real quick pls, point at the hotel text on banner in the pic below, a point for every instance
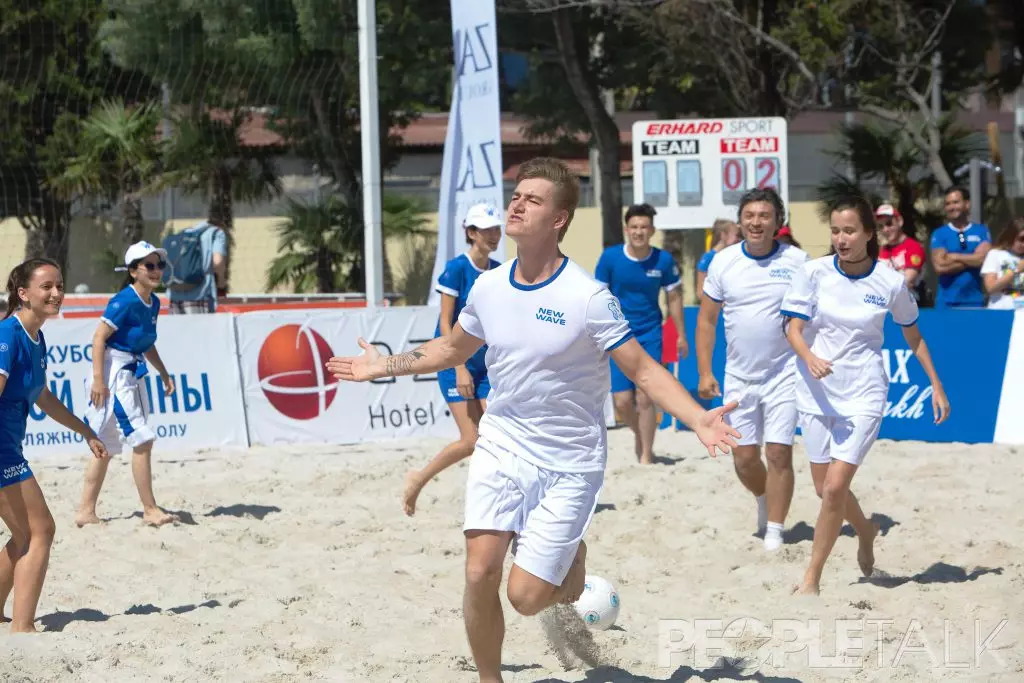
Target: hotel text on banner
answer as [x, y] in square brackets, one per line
[290, 397]
[471, 169]
[199, 351]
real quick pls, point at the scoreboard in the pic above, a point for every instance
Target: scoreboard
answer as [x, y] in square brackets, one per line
[694, 171]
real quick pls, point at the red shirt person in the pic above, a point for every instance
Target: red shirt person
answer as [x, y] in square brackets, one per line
[903, 253]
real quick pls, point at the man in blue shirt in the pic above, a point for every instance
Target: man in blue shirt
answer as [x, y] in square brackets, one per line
[203, 299]
[958, 250]
[635, 273]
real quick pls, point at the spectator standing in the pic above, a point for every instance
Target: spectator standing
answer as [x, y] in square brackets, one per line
[958, 250]
[635, 273]
[1003, 269]
[902, 252]
[202, 298]
[724, 233]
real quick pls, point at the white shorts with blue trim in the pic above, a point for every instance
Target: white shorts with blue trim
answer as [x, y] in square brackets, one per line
[549, 512]
[124, 419]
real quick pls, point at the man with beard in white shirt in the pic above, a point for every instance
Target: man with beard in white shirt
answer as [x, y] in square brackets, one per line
[747, 282]
[539, 462]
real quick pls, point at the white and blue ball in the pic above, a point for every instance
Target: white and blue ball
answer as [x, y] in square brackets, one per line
[598, 606]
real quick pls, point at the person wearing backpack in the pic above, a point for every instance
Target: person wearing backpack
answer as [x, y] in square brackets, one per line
[197, 262]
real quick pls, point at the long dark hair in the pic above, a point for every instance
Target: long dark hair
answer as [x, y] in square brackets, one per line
[20, 278]
[867, 219]
[1009, 234]
[129, 280]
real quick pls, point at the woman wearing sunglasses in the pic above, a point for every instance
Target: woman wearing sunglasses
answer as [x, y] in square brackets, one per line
[123, 343]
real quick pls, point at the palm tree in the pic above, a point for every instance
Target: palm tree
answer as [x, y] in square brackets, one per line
[321, 245]
[116, 156]
[208, 157]
[885, 156]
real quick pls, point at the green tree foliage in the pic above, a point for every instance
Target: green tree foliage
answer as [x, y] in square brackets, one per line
[116, 153]
[51, 71]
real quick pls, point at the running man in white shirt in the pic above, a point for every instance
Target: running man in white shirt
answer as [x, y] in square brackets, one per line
[837, 307]
[747, 282]
[539, 462]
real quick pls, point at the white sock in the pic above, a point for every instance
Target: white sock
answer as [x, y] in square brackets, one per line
[773, 536]
[762, 512]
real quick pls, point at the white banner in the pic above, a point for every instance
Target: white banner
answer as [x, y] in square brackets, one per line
[472, 168]
[290, 398]
[199, 351]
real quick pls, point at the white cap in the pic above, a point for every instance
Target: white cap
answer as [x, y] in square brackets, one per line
[482, 216]
[141, 250]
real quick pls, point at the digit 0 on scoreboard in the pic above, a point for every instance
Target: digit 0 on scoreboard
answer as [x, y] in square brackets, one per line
[766, 172]
[734, 180]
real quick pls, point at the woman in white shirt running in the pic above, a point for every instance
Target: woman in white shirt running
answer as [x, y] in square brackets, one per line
[836, 306]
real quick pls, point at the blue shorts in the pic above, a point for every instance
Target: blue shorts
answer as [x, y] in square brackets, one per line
[13, 469]
[446, 380]
[651, 343]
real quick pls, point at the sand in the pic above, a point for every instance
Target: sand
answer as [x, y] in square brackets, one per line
[298, 564]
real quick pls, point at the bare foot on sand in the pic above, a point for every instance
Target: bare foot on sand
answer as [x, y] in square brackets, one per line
[806, 588]
[413, 486]
[156, 517]
[866, 551]
[83, 518]
[25, 629]
[576, 579]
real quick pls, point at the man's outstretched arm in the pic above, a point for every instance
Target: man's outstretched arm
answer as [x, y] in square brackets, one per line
[440, 353]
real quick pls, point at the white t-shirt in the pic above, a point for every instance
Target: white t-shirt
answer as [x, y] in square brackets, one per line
[750, 290]
[547, 363]
[846, 318]
[999, 262]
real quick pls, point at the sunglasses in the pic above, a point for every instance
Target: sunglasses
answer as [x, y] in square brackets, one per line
[150, 266]
[963, 240]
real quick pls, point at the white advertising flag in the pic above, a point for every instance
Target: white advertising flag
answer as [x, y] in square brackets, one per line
[472, 168]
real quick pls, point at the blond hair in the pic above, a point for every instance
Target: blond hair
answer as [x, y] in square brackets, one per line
[558, 173]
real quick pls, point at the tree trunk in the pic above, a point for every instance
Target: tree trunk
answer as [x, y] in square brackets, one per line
[939, 169]
[222, 210]
[324, 274]
[49, 232]
[132, 223]
[602, 126]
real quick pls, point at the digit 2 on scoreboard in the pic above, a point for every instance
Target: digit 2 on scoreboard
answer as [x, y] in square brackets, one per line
[766, 172]
[734, 180]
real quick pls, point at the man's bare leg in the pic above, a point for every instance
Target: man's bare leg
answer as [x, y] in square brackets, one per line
[647, 426]
[627, 412]
[779, 489]
[481, 604]
[467, 416]
[754, 476]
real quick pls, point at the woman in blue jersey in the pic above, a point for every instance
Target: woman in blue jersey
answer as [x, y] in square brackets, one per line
[35, 292]
[465, 387]
[122, 345]
[837, 306]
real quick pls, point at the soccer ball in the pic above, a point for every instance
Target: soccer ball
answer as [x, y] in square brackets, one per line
[599, 604]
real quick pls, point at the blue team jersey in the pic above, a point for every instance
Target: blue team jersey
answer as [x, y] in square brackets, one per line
[23, 362]
[705, 261]
[637, 284]
[963, 288]
[133, 321]
[458, 278]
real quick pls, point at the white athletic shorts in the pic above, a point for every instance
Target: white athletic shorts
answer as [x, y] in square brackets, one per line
[124, 419]
[767, 409]
[841, 438]
[548, 511]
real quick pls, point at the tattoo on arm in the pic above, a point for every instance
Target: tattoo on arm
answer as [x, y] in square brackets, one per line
[400, 364]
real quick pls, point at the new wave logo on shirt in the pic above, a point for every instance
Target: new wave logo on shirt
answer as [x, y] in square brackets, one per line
[781, 274]
[875, 300]
[550, 315]
[654, 272]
